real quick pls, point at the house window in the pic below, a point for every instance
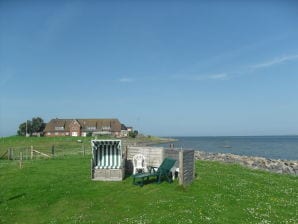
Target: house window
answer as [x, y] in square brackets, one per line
[59, 128]
[106, 128]
[91, 128]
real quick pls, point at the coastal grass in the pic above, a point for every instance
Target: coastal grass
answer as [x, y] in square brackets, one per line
[60, 190]
[63, 145]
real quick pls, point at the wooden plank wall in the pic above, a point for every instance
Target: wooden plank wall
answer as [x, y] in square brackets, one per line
[187, 167]
[108, 174]
[174, 154]
[153, 156]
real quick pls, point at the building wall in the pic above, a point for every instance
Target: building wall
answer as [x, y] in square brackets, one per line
[53, 134]
[124, 133]
[75, 128]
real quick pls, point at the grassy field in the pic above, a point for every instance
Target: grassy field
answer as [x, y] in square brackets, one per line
[59, 190]
[62, 145]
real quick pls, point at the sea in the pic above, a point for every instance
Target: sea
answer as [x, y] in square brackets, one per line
[271, 147]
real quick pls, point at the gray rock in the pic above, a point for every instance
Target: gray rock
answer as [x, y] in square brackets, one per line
[271, 165]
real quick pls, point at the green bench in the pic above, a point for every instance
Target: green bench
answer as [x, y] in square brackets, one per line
[164, 170]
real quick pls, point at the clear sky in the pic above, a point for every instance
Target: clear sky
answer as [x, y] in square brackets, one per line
[168, 68]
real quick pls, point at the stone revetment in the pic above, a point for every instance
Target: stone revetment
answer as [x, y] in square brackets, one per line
[271, 165]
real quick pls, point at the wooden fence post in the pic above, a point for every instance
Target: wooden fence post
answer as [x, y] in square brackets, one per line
[91, 168]
[31, 152]
[12, 155]
[194, 166]
[53, 150]
[181, 171]
[83, 145]
[21, 160]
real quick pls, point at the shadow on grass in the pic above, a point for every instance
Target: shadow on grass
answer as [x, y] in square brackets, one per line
[14, 197]
[152, 180]
[127, 175]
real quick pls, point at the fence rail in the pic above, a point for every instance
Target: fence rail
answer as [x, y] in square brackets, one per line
[32, 152]
[154, 155]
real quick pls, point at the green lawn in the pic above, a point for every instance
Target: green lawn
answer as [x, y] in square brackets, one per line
[60, 191]
[62, 145]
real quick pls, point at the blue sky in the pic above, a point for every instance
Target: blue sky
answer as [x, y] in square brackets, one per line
[168, 68]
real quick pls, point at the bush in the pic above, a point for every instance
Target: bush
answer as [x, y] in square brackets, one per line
[133, 134]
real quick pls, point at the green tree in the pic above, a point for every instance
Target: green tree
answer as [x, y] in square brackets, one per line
[36, 125]
[133, 134]
[26, 126]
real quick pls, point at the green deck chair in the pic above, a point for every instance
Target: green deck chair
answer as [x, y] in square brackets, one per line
[162, 171]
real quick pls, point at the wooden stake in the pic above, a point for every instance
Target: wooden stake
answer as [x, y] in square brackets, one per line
[181, 167]
[21, 160]
[31, 152]
[83, 149]
[53, 150]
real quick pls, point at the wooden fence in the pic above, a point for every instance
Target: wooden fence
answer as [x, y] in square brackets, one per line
[31, 152]
[186, 167]
[173, 153]
[153, 156]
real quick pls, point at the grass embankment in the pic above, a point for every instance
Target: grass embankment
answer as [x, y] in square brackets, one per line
[60, 191]
[151, 140]
[63, 145]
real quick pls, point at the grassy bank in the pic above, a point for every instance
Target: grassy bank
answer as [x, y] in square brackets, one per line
[60, 191]
[151, 140]
[64, 145]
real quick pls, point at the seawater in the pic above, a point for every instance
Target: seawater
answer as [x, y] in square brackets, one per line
[272, 147]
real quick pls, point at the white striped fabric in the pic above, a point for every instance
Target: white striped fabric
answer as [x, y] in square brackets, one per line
[107, 154]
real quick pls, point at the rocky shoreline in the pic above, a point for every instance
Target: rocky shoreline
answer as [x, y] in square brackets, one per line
[271, 165]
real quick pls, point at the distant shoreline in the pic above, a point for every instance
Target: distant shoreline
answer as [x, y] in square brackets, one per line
[151, 140]
[224, 136]
[273, 147]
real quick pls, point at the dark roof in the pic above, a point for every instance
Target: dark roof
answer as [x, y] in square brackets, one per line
[56, 123]
[123, 127]
[86, 124]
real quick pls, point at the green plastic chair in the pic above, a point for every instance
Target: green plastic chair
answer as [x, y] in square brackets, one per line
[164, 170]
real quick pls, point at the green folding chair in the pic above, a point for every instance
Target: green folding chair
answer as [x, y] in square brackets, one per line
[164, 170]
